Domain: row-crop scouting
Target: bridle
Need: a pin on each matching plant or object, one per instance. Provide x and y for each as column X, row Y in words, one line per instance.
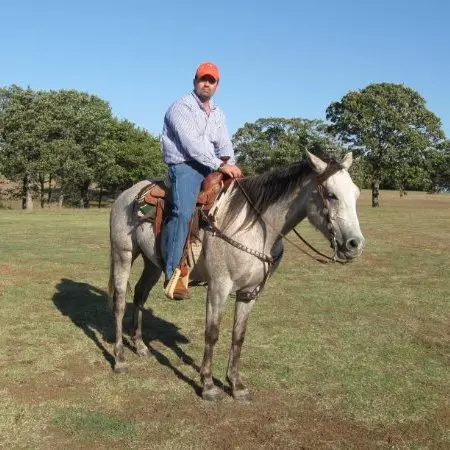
column 269, row 259
column 326, row 212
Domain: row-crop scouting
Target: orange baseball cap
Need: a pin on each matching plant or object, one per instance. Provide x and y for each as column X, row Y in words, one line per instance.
column 207, row 68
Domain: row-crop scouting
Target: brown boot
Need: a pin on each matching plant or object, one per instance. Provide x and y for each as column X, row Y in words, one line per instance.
column 176, row 287
column 180, row 292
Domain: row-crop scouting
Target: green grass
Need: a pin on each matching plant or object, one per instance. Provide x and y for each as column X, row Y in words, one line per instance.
column 90, row 424
column 350, row 356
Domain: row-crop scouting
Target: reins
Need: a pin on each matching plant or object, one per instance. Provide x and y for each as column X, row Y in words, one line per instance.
column 272, row 262
column 268, row 259
column 330, row 228
column 216, row 231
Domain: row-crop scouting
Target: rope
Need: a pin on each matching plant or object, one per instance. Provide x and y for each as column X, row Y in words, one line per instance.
column 222, row 235
column 333, row 240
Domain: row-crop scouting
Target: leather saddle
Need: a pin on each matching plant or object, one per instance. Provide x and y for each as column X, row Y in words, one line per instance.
column 151, row 201
column 153, row 197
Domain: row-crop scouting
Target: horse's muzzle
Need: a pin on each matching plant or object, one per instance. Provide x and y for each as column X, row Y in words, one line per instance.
column 352, row 249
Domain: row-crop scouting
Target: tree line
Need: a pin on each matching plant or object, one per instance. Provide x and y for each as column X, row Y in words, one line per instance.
column 398, row 142
column 69, row 141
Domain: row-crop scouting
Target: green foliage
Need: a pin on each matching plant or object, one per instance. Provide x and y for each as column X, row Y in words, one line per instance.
column 20, row 131
column 272, row 142
column 391, row 127
column 78, row 124
column 439, row 167
column 134, row 154
column 72, row 138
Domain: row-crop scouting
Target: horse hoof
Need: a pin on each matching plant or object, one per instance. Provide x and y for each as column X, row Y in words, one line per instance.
column 120, row 367
column 242, row 395
column 142, row 351
column 212, row 395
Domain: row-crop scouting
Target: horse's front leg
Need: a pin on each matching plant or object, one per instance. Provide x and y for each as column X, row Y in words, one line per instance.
column 241, row 313
column 215, row 301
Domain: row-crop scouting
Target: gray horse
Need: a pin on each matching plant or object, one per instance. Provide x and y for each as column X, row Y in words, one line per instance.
column 254, row 215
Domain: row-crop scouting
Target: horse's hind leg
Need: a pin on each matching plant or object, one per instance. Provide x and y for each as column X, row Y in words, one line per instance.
column 150, row 275
column 241, row 313
column 121, row 266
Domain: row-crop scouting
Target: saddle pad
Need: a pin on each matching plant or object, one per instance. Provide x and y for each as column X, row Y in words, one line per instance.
column 146, row 211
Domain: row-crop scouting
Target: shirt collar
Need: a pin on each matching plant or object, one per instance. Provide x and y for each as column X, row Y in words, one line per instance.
column 211, row 101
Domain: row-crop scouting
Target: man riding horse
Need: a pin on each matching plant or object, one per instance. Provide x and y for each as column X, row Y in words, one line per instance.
column 195, row 142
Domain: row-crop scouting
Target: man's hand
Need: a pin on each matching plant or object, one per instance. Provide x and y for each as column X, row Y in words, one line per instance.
column 231, row 170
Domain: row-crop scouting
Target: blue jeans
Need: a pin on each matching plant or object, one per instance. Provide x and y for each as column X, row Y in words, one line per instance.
column 186, row 181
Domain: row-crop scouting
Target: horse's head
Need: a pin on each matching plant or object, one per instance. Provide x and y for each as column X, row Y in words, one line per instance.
column 332, row 208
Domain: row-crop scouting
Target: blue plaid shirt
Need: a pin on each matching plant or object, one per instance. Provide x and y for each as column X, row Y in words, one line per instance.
column 189, row 134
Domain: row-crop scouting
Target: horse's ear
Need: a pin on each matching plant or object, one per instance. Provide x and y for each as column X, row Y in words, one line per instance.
column 317, row 164
column 348, row 160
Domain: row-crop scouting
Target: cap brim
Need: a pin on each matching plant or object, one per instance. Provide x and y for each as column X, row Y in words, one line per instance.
column 204, row 74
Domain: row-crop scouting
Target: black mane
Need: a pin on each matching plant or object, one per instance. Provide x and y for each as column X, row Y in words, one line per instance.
column 266, row 189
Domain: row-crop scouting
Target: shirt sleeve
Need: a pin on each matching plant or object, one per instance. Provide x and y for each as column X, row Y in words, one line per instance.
column 224, row 144
column 194, row 144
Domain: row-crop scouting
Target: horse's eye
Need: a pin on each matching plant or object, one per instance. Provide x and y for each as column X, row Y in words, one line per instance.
column 331, row 196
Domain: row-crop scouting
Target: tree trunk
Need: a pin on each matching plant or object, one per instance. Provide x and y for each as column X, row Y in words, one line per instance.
column 401, row 189
column 100, row 195
column 375, row 193
column 84, row 201
column 27, row 199
column 42, row 190
column 49, row 193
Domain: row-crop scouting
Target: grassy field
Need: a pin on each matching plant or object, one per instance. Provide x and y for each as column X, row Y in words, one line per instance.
column 353, row 356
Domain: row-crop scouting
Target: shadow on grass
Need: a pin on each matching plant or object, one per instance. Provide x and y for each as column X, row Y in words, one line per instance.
column 89, row 309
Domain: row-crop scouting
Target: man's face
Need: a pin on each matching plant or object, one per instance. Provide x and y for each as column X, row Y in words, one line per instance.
column 205, row 87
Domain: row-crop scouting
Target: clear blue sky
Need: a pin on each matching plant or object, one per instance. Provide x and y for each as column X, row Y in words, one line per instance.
column 277, row 58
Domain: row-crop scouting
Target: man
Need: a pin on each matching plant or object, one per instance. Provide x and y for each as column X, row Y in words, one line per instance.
column 195, row 142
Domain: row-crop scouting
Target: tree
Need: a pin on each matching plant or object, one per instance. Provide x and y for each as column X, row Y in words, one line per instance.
column 52, row 134
column 72, row 138
column 20, row 137
column 391, row 127
column 78, row 126
column 131, row 154
column 439, row 163
column 272, row 142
